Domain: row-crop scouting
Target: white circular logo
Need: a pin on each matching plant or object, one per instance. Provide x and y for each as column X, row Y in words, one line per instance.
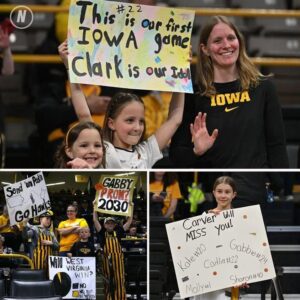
column 21, row 17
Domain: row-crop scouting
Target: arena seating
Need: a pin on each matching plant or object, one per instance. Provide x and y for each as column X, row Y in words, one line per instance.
column 136, row 275
column 2, row 288
column 259, row 4
column 28, row 275
column 295, row 4
column 32, row 289
column 156, row 284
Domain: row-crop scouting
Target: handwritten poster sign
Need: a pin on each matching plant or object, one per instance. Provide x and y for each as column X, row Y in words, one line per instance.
column 74, row 278
column 27, row 199
column 212, row 252
column 130, row 45
column 114, row 195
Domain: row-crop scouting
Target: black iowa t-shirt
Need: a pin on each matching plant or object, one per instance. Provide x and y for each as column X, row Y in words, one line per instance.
column 250, row 125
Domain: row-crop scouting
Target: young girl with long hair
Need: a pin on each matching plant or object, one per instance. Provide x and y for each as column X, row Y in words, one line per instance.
column 224, row 191
column 124, row 126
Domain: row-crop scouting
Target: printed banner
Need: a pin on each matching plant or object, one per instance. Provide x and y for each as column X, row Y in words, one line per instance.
column 130, row 45
column 114, row 194
column 75, row 277
column 211, row 252
column 27, row 199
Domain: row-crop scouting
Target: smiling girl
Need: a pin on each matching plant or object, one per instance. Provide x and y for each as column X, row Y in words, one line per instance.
column 124, row 126
column 224, row 191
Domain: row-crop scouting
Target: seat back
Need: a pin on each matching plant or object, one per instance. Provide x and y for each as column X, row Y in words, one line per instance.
column 265, row 4
column 28, row 275
column 32, row 289
column 273, row 46
column 2, row 149
column 2, row 288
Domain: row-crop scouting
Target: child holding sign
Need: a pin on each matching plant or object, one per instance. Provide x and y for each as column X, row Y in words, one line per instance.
column 110, row 235
column 124, row 126
column 224, row 191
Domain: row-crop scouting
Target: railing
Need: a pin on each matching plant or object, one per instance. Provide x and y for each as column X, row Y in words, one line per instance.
column 16, row 255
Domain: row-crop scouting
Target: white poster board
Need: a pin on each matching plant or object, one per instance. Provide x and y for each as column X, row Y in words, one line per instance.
column 75, row 277
column 212, row 252
column 27, row 199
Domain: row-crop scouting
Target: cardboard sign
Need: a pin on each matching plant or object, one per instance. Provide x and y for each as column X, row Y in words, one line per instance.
column 74, row 278
column 130, row 45
column 27, row 199
column 114, row 195
column 211, row 252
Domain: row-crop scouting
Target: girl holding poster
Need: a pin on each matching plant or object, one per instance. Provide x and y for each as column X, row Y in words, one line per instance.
column 110, row 235
column 124, row 126
column 224, row 191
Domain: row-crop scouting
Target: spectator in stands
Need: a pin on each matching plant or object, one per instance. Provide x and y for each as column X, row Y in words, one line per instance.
column 82, row 148
column 69, row 230
column 224, row 191
column 133, row 239
column 238, row 117
column 42, row 240
column 124, row 126
column 6, row 65
column 6, row 262
column 3, row 248
column 11, row 234
column 165, row 193
column 84, row 247
column 86, row 212
column 110, row 235
column 51, row 93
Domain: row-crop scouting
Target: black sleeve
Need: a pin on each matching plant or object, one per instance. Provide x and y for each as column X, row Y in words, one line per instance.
column 73, row 250
column 274, row 130
column 181, row 148
column 93, row 250
column 120, row 232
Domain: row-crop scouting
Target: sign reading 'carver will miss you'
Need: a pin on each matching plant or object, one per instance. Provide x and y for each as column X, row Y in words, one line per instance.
column 212, row 252
column 130, row 45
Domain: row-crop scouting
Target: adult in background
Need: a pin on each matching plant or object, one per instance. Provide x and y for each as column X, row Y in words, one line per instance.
column 10, row 232
column 69, row 230
column 6, row 65
column 164, row 194
column 239, row 122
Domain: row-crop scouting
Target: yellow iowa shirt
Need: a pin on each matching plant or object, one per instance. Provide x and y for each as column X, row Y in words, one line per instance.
column 67, row 241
